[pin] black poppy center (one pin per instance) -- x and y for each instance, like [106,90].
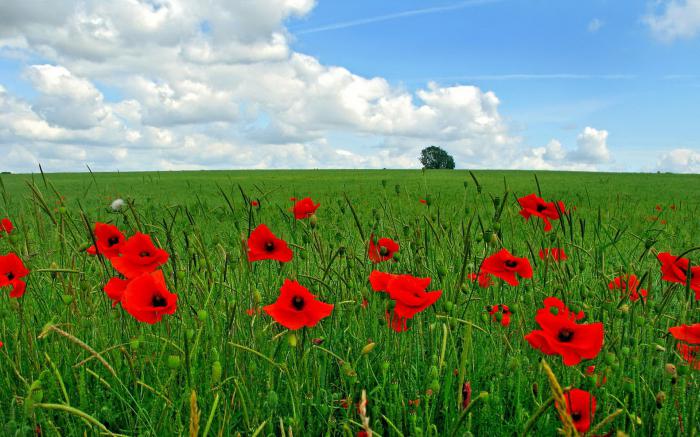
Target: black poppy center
[145,254]
[158,301]
[10,275]
[511,263]
[575,416]
[270,246]
[383,251]
[298,303]
[112,241]
[541,208]
[565,335]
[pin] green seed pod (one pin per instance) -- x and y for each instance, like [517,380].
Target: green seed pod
[313,221]
[272,399]
[173,362]
[449,306]
[202,315]
[628,386]
[292,339]
[660,399]
[610,358]
[625,351]
[433,372]
[189,334]
[435,386]
[180,274]
[67,299]
[441,271]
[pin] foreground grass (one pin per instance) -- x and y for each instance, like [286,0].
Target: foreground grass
[71,363]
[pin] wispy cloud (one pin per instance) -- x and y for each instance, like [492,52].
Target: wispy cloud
[394,16]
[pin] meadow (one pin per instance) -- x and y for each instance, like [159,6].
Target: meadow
[72,363]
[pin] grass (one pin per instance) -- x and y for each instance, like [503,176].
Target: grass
[73,364]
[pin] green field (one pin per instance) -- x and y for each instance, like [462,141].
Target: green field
[72,364]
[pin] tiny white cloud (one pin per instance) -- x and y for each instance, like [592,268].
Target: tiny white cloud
[595,24]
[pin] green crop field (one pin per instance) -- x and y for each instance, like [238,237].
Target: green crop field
[72,363]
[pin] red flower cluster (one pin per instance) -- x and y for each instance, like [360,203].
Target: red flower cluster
[383,250]
[675,269]
[296,307]
[142,291]
[505,266]
[561,335]
[12,270]
[533,205]
[304,208]
[408,293]
[580,405]
[504,312]
[554,253]
[5,226]
[629,285]
[689,343]
[263,244]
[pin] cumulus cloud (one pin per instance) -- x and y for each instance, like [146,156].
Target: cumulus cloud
[677,19]
[216,85]
[590,153]
[680,161]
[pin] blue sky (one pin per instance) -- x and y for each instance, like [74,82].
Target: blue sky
[595,85]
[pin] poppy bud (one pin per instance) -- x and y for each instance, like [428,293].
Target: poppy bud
[189,334]
[648,243]
[660,399]
[433,372]
[435,386]
[216,372]
[257,297]
[292,339]
[610,358]
[313,221]
[134,343]
[368,348]
[496,201]
[449,306]
[272,399]
[624,309]
[173,362]
[625,351]
[180,274]
[628,386]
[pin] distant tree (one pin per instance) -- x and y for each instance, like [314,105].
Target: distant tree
[435,157]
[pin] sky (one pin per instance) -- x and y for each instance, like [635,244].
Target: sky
[600,85]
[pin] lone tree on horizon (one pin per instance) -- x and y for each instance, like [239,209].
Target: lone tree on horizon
[434,157]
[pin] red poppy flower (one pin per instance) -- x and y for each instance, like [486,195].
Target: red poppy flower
[536,206]
[379,280]
[553,253]
[293,199]
[395,322]
[688,333]
[690,353]
[254,203]
[580,405]
[139,255]
[296,307]
[262,244]
[673,207]
[410,295]
[561,335]
[466,394]
[383,250]
[147,298]
[504,265]
[305,208]
[109,240]
[658,207]
[675,269]
[115,289]
[1,344]
[629,285]
[423,201]
[500,309]
[5,226]
[483,279]
[253,311]
[12,269]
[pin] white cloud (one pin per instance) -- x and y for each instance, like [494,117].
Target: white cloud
[680,161]
[591,147]
[678,19]
[591,151]
[216,85]
[595,24]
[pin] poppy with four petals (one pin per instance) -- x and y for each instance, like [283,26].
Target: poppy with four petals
[304,208]
[12,270]
[263,244]
[383,250]
[533,205]
[296,307]
[147,298]
[675,269]
[561,335]
[109,240]
[138,256]
[580,405]
[505,266]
